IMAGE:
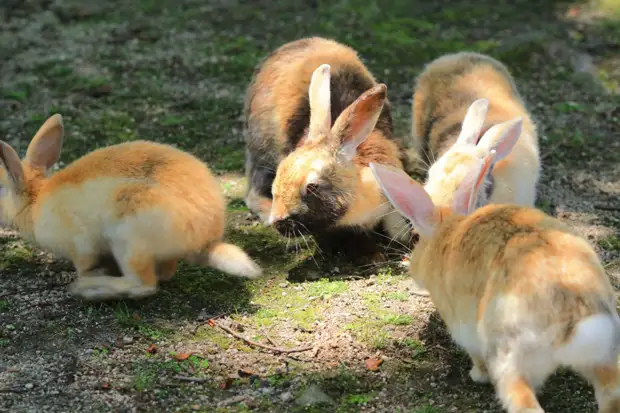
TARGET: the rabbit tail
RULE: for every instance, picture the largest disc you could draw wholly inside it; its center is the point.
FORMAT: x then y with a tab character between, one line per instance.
229	259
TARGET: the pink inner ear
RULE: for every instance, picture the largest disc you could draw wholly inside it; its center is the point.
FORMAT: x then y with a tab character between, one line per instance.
405	194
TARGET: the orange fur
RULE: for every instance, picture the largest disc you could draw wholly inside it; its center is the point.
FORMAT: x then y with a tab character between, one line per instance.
146	204
521	292
443	93
282	139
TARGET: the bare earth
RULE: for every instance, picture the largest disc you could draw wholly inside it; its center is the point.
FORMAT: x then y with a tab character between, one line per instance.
175	71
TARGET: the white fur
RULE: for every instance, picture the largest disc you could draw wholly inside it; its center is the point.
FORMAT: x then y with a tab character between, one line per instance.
594	342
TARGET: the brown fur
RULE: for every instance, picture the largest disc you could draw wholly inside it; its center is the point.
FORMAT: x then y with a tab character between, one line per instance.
447	87
520	291
443	94
281	156
145	204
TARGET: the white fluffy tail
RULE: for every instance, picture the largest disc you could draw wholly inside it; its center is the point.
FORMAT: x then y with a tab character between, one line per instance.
595	341
230	259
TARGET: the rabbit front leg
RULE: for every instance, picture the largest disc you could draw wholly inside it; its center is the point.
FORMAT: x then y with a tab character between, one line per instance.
86	266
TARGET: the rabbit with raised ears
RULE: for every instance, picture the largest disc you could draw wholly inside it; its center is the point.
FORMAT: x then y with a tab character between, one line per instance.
465	105
145	204
520	292
315	118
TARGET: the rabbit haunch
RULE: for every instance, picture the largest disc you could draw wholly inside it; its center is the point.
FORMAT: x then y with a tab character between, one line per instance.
465	105
315	118
518	290
145	204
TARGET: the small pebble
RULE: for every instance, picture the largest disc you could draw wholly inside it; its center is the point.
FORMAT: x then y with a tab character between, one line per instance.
127	340
29	386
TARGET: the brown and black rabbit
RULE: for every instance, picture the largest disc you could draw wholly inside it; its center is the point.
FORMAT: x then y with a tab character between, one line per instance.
315	117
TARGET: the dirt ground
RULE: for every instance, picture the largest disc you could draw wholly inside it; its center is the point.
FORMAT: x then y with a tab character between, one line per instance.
175	72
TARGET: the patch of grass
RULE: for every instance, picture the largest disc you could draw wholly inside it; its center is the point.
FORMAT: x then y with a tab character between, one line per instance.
18	94
325	289
15	254
611	243
567	107
131	319
397	295
147	372
4	306
357	399
397	319
370	332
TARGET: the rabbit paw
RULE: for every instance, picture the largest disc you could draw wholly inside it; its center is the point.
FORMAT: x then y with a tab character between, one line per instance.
103	288
141	291
478	375
93	289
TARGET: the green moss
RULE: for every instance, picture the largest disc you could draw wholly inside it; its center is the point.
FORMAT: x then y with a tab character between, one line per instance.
15	254
398	296
325	289
611	243
127	318
397	319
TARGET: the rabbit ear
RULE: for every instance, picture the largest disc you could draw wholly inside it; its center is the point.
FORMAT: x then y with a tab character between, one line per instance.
12	164
473	122
466	195
320	104
502	137
357	121
408	197
44	149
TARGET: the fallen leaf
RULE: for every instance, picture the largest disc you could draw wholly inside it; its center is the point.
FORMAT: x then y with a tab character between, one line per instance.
152	349
106	386
226	385
181	356
136	316
373	363
246	373
211	322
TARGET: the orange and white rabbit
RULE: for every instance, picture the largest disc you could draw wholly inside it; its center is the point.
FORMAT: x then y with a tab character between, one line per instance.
465	105
520	292
146	204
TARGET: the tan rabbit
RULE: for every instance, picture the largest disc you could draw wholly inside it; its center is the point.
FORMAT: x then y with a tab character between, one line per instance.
517	289
146	204
465	105
315	117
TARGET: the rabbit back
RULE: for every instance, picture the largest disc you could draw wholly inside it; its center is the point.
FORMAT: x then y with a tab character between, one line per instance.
140	190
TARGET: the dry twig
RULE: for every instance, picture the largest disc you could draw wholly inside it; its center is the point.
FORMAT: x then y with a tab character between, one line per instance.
212	323
209	321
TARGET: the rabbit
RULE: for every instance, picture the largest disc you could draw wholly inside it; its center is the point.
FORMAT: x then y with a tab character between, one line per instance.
465	105
146	204
315	117
518	290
